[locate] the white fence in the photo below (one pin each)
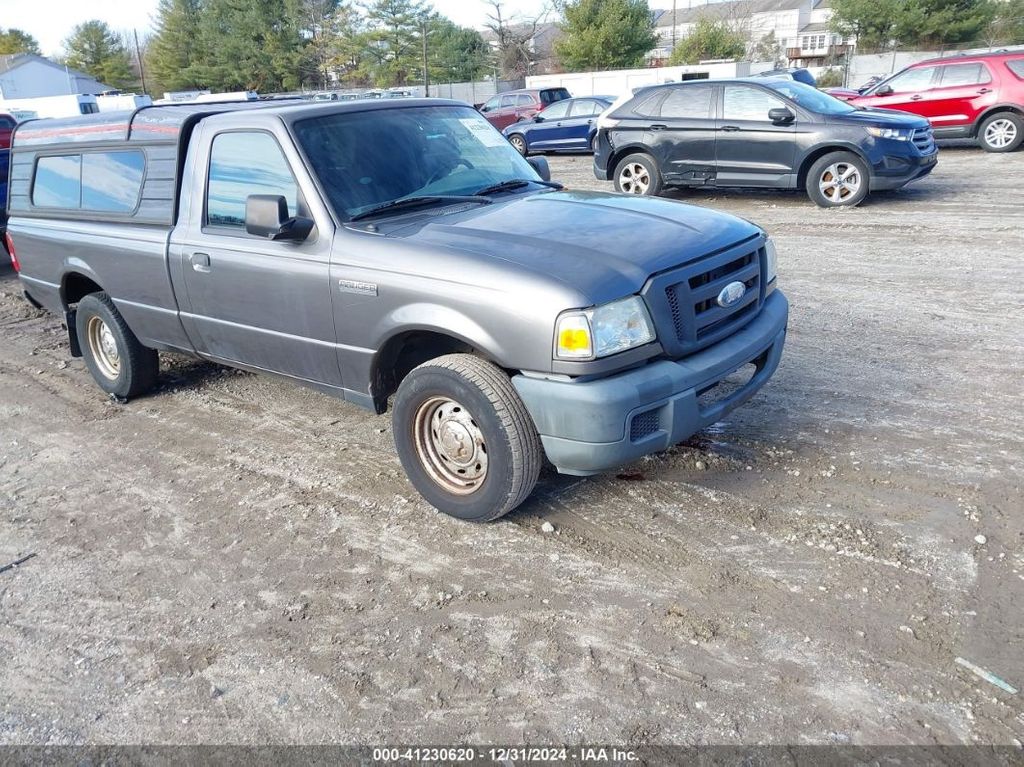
(619, 82)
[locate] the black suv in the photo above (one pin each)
(772, 133)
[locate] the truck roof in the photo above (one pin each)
(171, 122)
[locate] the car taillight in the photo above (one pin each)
(10, 249)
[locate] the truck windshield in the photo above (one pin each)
(810, 98)
(367, 159)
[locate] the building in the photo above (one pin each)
(800, 28)
(27, 76)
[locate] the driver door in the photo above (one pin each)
(909, 89)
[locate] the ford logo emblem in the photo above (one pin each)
(731, 294)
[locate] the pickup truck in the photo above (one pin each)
(397, 253)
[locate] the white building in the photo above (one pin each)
(26, 76)
(800, 27)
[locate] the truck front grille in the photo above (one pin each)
(691, 298)
(924, 140)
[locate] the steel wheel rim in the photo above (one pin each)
(519, 144)
(103, 346)
(1000, 133)
(450, 446)
(634, 179)
(839, 182)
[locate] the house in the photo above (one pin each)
(26, 76)
(799, 27)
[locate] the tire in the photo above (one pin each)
(122, 366)
(638, 174)
(519, 143)
(845, 167)
(458, 400)
(1002, 132)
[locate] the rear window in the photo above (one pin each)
(1017, 67)
(105, 182)
(690, 102)
(551, 95)
(964, 74)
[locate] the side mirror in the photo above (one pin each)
(885, 90)
(266, 215)
(540, 165)
(781, 116)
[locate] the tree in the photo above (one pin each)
(768, 48)
(880, 24)
(17, 41)
(97, 50)
(1007, 26)
(393, 42)
(321, 25)
(457, 54)
(174, 47)
(709, 39)
(513, 40)
(605, 34)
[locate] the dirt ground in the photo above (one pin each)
(234, 559)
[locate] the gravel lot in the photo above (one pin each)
(233, 559)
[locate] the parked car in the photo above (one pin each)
(511, 107)
(800, 74)
(768, 132)
(569, 124)
(979, 97)
(7, 125)
(398, 252)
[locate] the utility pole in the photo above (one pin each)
(426, 70)
(674, 27)
(138, 54)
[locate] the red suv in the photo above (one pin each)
(514, 106)
(979, 97)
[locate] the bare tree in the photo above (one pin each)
(513, 39)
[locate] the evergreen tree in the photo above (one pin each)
(97, 50)
(605, 34)
(457, 54)
(709, 39)
(17, 41)
(174, 48)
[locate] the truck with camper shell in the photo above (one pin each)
(397, 253)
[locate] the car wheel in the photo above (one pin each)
(593, 144)
(517, 141)
(465, 439)
(838, 180)
(121, 365)
(638, 174)
(1002, 132)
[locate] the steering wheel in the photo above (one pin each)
(447, 172)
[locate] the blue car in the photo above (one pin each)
(565, 126)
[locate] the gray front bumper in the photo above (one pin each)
(586, 427)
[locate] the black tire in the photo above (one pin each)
(485, 411)
(518, 142)
(638, 174)
(833, 167)
(136, 367)
(1001, 132)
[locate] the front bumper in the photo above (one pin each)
(588, 427)
(895, 171)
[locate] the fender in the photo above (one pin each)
(1003, 107)
(439, 319)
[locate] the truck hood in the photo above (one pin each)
(882, 118)
(603, 245)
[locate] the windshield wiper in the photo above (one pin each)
(416, 202)
(514, 183)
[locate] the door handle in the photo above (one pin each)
(983, 91)
(916, 97)
(200, 262)
(590, 122)
(730, 128)
(658, 127)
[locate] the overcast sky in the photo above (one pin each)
(50, 21)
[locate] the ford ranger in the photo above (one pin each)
(397, 253)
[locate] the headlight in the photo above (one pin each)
(771, 262)
(604, 330)
(898, 134)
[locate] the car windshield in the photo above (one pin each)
(810, 98)
(368, 159)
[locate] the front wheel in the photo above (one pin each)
(121, 365)
(465, 439)
(638, 174)
(838, 180)
(518, 143)
(1003, 132)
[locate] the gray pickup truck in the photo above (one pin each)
(402, 253)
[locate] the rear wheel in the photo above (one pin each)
(519, 143)
(121, 365)
(838, 180)
(638, 174)
(1002, 132)
(465, 439)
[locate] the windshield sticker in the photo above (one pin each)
(483, 132)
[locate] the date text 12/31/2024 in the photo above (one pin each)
(505, 754)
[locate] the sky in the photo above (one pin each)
(50, 21)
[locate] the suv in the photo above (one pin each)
(397, 253)
(772, 133)
(511, 107)
(979, 97)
